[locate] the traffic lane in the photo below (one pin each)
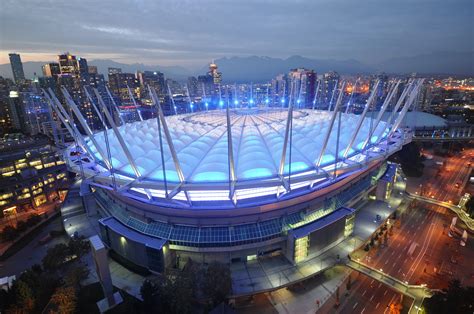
(370, 297)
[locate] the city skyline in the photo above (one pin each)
(189, 34)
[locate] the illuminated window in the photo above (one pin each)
(301, 249)
(5, 196)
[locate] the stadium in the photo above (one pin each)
(233, 184)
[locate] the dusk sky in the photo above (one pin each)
(190, 33)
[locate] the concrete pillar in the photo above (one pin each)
(99, 253)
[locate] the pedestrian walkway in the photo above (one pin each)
(412, 291)
(454, 208)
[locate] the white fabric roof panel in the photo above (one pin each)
(200, 141)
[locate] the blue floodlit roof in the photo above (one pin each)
(200, 140)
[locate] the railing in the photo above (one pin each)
(413, 291)
(455, 208)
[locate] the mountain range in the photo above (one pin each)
(261, 68)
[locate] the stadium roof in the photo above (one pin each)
(201, 144)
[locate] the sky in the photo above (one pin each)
(190, 33)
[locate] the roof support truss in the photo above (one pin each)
(117, 133)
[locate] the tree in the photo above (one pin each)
(76, 275)
(78, 247)
(410, 159)
(55, 256)
(148, 291)
(23, 296)
(217, 282)
(455, 299)
(470, 206)
(64, 300)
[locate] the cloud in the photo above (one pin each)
(192, 31)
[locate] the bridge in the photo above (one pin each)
(454, 208)
(416, 292)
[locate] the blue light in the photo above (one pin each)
(267, 101)
(221, 103)
(298, 101)
(174, 107)
(207, 105)
(283, 100)
(236, 102)
(192, 106)
(251, 101)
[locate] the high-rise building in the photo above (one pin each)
(83, 71)
(18, 114)
(193, 86)
(69, 66)
(97, 80)
(92, 69)
(279, 91)
(17, 67)
(154, 79)
(119, 83)
(51, 70)
(302, 85)
(207, 86)
(328, 87)
(114, 70)
(5, 115)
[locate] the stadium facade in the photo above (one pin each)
(233, 184)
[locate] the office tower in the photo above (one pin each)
(302, 85)
(69, 66)
(206, 85)
(51, 70)
(47, 82)
(17, 67)
(92, 69)
(279, 91)
(83, 71)
(114, 70)
(5, 120)
(119, 84)
(193, 86)
(328, 86)
(18, 114)
(154, 79)
(97, 80)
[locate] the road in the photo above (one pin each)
(419, 251)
